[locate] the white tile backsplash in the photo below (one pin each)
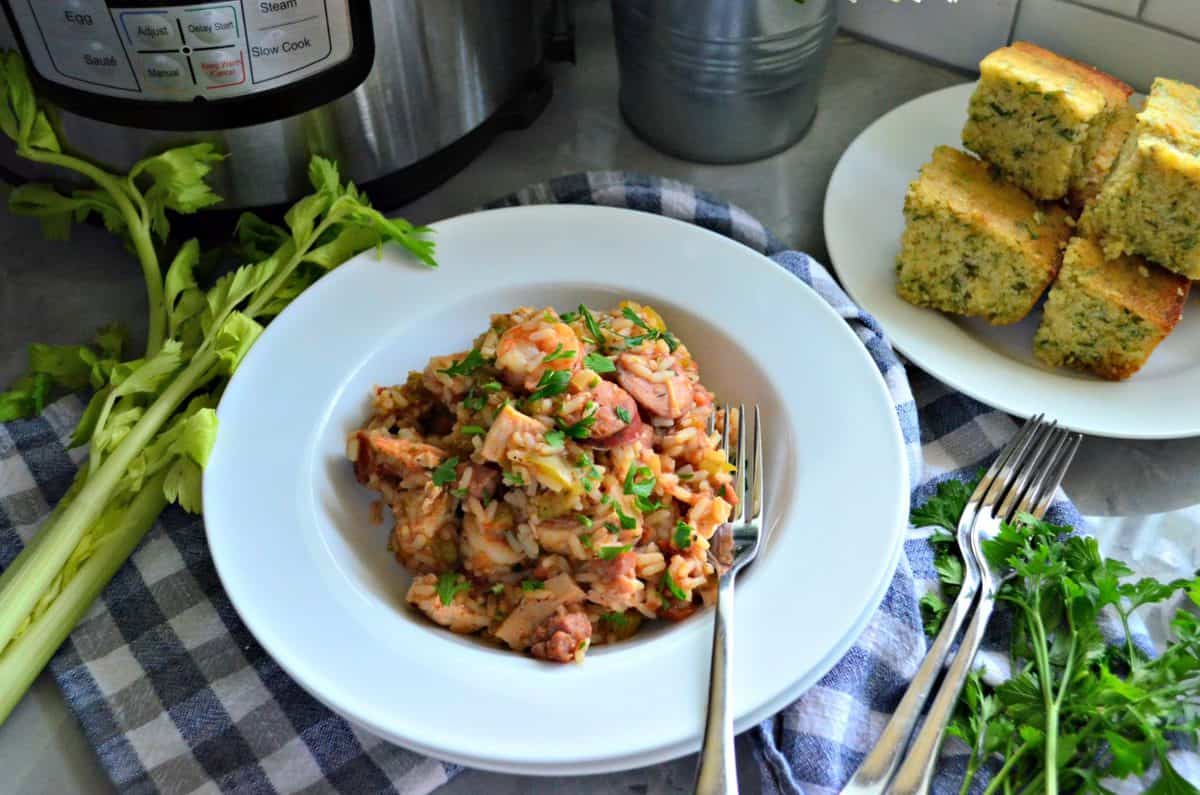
(1127, 8)
(1136, 40)
(1181, 16)
(1132, 51)
(958, 33)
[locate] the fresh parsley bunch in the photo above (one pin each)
(1077, 710)
(151, 422)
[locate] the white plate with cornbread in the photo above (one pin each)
(1076, 303)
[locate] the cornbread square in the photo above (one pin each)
(1106, 316)
(1042, 118)
(975, 244)
(1150, 204)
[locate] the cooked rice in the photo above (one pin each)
(537, 514)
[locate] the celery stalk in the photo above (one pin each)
(62, 533)
(25, 657)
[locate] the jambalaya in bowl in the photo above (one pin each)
(555, 486)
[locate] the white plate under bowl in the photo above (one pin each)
(994, 364)
(309, 573)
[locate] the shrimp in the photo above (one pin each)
(522, 350)
(485, 547)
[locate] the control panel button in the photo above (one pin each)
(148, 30)
(164, 71)
(220, 68)
(100, 60)
(287, 47)
(264, 13)
(211, 27)
(77, 18)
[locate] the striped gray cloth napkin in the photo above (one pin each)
(176, 696)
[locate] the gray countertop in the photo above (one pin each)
(57, 292)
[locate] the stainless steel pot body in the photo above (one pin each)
(721, 81)
(442, 67)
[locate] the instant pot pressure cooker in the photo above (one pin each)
(402, 93)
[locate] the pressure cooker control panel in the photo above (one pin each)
(179, 53)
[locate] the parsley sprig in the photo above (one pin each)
(1077, 709)
(446, 472)
(651, 333)
(552, 382)
(466, 365)
(450, 585)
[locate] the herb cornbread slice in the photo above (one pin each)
(1106, 316)
(1150, 204)
(975, 244)
(1043, 119)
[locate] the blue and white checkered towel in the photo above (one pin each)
(176, 696)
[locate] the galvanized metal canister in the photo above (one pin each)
(721, 81)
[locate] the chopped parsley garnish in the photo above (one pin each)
(639, 481)
(473, 430)
(473, 401)
(460, 493)
(612, 528)
(683, 535)
(583, 428)
(599, 363)
(586, 540)
(583, 461)
(586, 521)
(450, 585)
(445, 472)
(555, 439)
(627, 522)
(552, 382)
(513, 479)
(558, 354)
(467, 365)
(532, 585)
(568, 317)
(623, 414)
(610, 553)
(592, 326)
(646, 505)
(498, 588)
(686, 475)
(491, 386)
(674, 589)
(650, 332)
(618, 621)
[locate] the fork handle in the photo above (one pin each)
(916, 774)
(876, 770)
(717, 774)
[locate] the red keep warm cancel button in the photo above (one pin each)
(221, 68)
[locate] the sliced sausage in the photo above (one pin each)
(558, 637)
(671, 397)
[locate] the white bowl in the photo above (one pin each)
(310, 575)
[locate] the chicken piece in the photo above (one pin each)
(381, 454)
(485, 478)
(463, 615)
(522, 350)
(537, 606)
(561, 636)
(424, 538)
(508, 422)
(617, 586)
(486, 550)
(670, 397)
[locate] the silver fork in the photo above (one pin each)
(717, 774)
(1030, 479)
(876, 771)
